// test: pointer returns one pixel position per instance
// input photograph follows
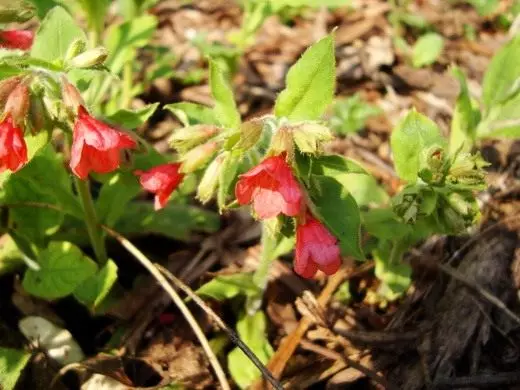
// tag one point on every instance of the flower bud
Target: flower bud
(433, 164)
(77, 47)
(250, 133)
(209, 183)
(282, 142)
(89, 58)
(467, 171)
(17, 104)
(198, 157)
(187, 138)
(6, 87)
(309, 137)
(71, 97)
(37, 114)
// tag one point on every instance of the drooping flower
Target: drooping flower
(13, 150)
(316, 248)
(272, 189)
(16, 39)
(96, 146)
(161, 180)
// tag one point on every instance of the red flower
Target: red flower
(13, 151)
(161, 180)
(271, 187)
(16, 39)
(96, 146)
(316, 248)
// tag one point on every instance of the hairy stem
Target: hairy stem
(93, 227)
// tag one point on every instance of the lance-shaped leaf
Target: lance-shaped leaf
(225, 108)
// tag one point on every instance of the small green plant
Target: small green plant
(349, 115)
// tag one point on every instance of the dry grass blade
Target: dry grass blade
(231, 334)
(134, 251)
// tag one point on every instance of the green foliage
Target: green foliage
(10, 256)
(62, 268)
(484, 7)
(57, 31)
(310, 83)
(252, 330)
(350, 115)
(225, 107)
(130, 119)
(409, 139)
(124, 39)
(465, 116)
(190, 114)
(176, 221)
(12, 363)
(427, 49)
(391, 271)
(337, 208)
(227, 177)
(224, 287)
(93, 291)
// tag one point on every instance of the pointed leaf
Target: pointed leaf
(225, 108)
(95, 289)
(12, 363)
(310, 83)
(63, 267)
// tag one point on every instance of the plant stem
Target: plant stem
(261, 274)
(93, 227)
(126, 92)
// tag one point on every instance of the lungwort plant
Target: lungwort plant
(60, 138)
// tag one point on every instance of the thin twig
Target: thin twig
(330, 354)
(134, 251)
(230, 332)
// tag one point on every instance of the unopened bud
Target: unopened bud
(282, 142)
(17, 103)
(250, 133)
(77, 47)
(6, 87)
(433, 164)
(467, 171)
(188, 137)
(310, 137)
(197, 157)
(89, 58)
(209, 183)
(37, 114)
(71, 97)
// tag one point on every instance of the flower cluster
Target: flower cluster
(272, 190)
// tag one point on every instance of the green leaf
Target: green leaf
(12, 363)
(227, 176)
(310, 83)
(364, 188)
(385, 224)
(252, 330)
(427, 49)
(335, 165)
(389, 268)
(114, 197)
(133, 119)
(95, 289)
(502, 78)
(8, 70)
(96, 11)
(192, 113)
(124, 39)
(225, 108)
(10, 256)
(36, 142)
(35, 222)
(411, 136)
(351, 114)
(465, 117)
(484, 7)
(63, 267)
(174, 221)
(57, 31)
(337, 208)
(224, 287)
